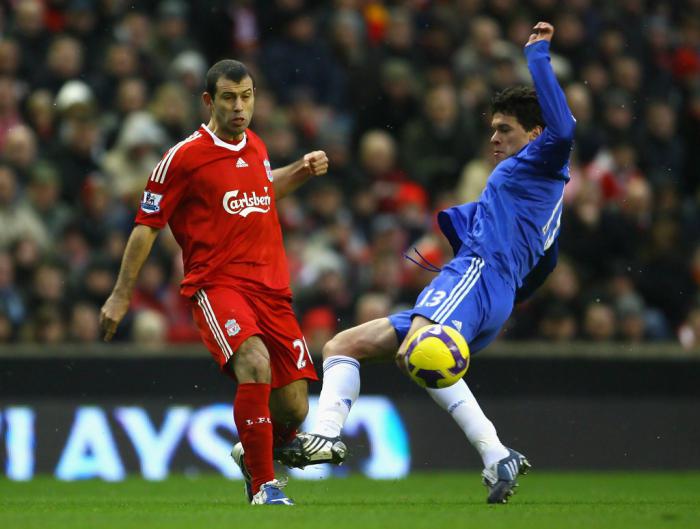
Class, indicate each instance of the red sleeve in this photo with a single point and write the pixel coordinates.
(164, 189)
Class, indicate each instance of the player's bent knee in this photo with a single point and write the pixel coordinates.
(372, 341)
(289, 411)
(340, 345)
(297, 414)
(252, 366)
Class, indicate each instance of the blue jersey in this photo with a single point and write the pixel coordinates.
(517, 217)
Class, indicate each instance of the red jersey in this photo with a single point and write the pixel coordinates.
(219, 200)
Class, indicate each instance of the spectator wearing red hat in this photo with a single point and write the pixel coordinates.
(319, 326)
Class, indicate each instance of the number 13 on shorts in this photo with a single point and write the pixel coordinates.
(300, 345)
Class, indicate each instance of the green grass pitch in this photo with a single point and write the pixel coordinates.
(557, 500)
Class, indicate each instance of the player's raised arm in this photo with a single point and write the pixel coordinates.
(288, 178)
(138, 247)
(560, 123)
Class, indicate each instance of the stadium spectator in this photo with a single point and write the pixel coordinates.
(689, 331)
(172, 108)
(41, 116)
(661, 153)
(371, 306)
(298, 62)
(20, 152)
(10, 57)
(46, 326)
(393, 106)
(128, 165)
(27, 27)
(473, 177)
(81, 21)
(318, 326)
(84, 325)
(599, 322)
(171, 32)
(64, 62)
(149, 329)
(437, 145)
(379, 168)
(43, 197)
(9, 107)
(17, 220)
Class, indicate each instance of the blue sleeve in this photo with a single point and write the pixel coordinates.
(555, 143)
(539, 273)
(456, 221)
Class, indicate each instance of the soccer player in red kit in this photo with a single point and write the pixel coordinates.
(217, 192)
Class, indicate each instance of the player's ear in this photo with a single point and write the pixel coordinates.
(207, 99)
(533, 133)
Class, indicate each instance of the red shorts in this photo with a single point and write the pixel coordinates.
(227, 317)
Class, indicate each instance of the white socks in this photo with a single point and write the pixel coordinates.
(459, 402)
(341, 387)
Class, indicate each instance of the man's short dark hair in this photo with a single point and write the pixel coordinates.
(521, 103)
(228, 69)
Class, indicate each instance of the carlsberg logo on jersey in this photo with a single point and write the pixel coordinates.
(247, 204)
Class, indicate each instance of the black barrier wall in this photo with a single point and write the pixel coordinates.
(109, 416)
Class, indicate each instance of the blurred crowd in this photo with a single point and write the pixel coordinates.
(92, 92)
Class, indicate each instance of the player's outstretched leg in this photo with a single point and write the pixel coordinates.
(501, 464)
(501, 477)
(270, 493)
(341, 387)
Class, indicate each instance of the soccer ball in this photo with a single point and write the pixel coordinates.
(437, 356)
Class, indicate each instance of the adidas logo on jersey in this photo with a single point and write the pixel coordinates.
(457, 324)
(241, 163)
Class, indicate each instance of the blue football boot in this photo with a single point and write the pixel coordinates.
(271, 494)
(501, 477)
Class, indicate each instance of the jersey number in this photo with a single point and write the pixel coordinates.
(304, 353)
(432, 299)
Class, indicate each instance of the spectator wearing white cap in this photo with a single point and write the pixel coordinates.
(138, 149)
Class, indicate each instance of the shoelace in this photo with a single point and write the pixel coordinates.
(433, 268)
(278, 483)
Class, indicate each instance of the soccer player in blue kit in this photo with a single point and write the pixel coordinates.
(505, 244)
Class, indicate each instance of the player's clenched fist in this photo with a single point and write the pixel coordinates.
(541, 31)
(112, 312)
(316, 163)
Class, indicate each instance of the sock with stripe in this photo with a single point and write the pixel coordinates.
(459, 402)
(251, 412)
(341, 387)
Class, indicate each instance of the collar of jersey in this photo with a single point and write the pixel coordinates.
(221, 143)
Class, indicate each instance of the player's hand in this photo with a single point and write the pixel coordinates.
(112, 312)
(400, 360)
(541, 31)
(316, 163)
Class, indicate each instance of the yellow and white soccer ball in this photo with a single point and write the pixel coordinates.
(437, 356)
